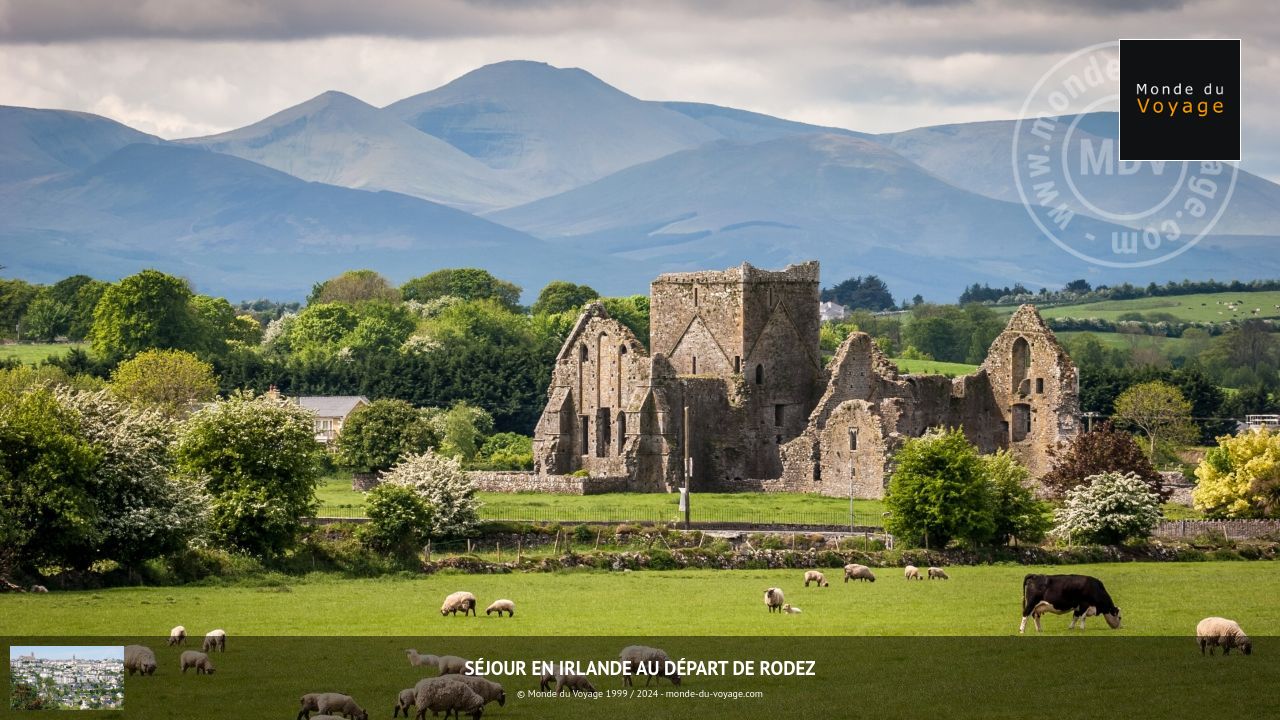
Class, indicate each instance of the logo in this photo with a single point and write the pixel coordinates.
(1082, 196)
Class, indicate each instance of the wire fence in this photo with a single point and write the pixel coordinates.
(650, 516)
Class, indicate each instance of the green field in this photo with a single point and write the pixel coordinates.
(33, 353)
(335, 494)
(1156, 598)
(903, 649)
(934, 367)
(1168, 346)
(1204, 307)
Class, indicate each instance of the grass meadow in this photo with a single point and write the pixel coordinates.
(894, 648)
(1202, 307)
(32, 353)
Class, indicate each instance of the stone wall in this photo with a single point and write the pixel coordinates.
(1232, 529)
(530, 481)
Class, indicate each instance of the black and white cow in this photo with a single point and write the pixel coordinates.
(1080, 595)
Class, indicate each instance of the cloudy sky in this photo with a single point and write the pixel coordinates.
(178, 68)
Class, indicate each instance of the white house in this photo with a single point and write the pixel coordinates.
(331, 412)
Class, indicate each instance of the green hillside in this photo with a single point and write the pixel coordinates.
(1204, 307)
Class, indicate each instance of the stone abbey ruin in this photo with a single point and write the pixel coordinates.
(736, 352)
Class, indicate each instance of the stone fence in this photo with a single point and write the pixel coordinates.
(1231, 529)
(529, 481)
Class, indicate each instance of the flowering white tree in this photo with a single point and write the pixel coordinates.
(1109, 509)
(445, 489)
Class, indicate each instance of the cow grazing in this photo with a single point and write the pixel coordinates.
(1081, 595)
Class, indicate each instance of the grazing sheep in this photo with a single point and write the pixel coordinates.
(773, 599)
(417, 659)
(215, 639)
(484, 687)
(501, 606)
(652, 662)
(791, 609)
(139, 659)
(197, 660)
(39, 589)
(460, 601)
(911, 572)
(403, 702)
(447, 694)
(1213, 632)
(575, 684)
(937, 573)
(815, 576)
(177, 636)
(858, 572)
(452, 665)
(548, 678)
(331, 703)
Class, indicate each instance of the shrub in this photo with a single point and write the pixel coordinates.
(1112, 508)
(445, 490)
(1105, 449)
(506, 451)
(1016, 511)
(1241, 477)
(399, 520)
(376, 436)
(939, 492)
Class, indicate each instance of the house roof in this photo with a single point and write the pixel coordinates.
(333, 406)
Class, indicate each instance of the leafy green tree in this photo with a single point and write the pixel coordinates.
(381, 328)
(560, 296)
(321, 327)
(462, 430)
(445, 489)
(46, 317)
(1159, 412)
(506, 451)
(1240, 478)
(400, 520)
(171, 381)
(1109, 510)
(1104, 449)
(632, 311)
(1016, 511)
(15, 296)
(939, 492)
(144, 311)
(47, 509)
(464, 283)
(377, 435)
(258, 460)
(867, 293)
(353, 287)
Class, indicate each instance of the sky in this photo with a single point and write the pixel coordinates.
(65, 652)
(178, 68)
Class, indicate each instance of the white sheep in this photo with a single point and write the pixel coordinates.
(447, 694)
(791, 609)
(215, 640)
(177, 636)
(460, 601)
(649, 661)
(549, 678)
(938, 574)
(773, 599)
(484, 687)
(403, 702)
(39, 589)
(1213, 632)
(139, 659)
(815, 576)
(452, 665)
(501, 606)
(197, 660)
(574, 684)
(911, 572)
(331, 703)
(415, 658)
(858, 572)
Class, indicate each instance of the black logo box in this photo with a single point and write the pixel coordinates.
(1186, 68)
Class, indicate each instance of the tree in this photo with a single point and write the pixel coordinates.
(1240, 478)
(1017, 513)
(464, 283)
(446, 491)
(1159, 411)
(171, 381)
(1111, 509)
(15, 296)
(144, 311)
(400, 521)
(560, 296)
(353, 287)
(462, 430)
(320, 328)
(632, 311)
(1078, 286)
(377, 435)
(869, 293)
(939, 491)
(257, 458)
(46, 317)
(506, 451)
(1104, 449)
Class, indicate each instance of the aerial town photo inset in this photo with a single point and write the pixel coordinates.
(66, 677)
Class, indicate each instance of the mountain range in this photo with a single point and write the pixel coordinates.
(540, 173)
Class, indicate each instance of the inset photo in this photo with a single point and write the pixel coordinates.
(66, 677)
